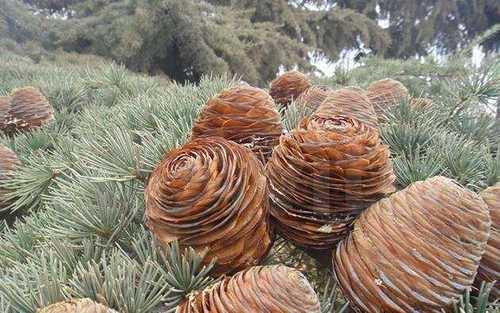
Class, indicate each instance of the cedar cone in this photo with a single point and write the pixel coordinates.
(8, 163)
(244, 114)
(76, 306)
(288, 86)
(276, 289)
(349, 102)
(4, 110)
(28, 109)
(313, 96)
(489, 268)
(323, 175)
(420, 103)
(415, 251)
(212, 193)
(386, 93)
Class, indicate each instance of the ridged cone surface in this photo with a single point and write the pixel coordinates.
(323, 175)
(29, 109)
(489, 268)
(349, 102)
(212, 193)
(245, 115)
(385, 94)
(4, 111)
(8, 163)
(415, 251)
(77, 306)
(276, 289)
(288, 86)
(313, 96)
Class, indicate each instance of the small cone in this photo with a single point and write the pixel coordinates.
(489, 268)
(8, 163)
(76, 306)
(323, 175)
(349, 102)
(415, 251)
(29, 109)
(276, 289)
(212, 193)
(313, 96)
(386, 93)
(245, 115)
(288, 87)
(4, 111)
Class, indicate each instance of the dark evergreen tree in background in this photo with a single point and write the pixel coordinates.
(186, 39)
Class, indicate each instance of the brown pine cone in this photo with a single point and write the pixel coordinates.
(276, 289)
(243, 114)
(313, 96)
(386, 93)
(415, 251)
(420, 103)
(489, 268)
(349, 102)
(323, 175)
(76, 306)
(288, 86)
(8, 163)
(4, 111)
(212, 193)
(29, 109)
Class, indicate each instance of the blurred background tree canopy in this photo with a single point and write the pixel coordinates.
(251, 38)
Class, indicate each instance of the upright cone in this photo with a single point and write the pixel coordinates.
(323, 175)
(245, 115)
(77, 306)
(416, 251)
(8, 163)
(489, 268)
(288, 86)
(28, 109)
(4, 111)
(385, 94)
(349, 102)
(276, 289)
(313, 96)
(212, 193)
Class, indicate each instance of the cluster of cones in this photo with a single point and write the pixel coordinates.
(327, 186)
(327, 183)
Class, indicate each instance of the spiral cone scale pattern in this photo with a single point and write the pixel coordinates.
(276, 289)
(212, 193)
(77, 306)
(489, 268)
(415, 251)
(349, 102)
(385, 94)
(323, 175)
(289, 86)
(245, 115)
(8, 163)
(27, 109)
(313, 96)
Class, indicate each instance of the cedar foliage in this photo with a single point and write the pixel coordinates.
(80, 185)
